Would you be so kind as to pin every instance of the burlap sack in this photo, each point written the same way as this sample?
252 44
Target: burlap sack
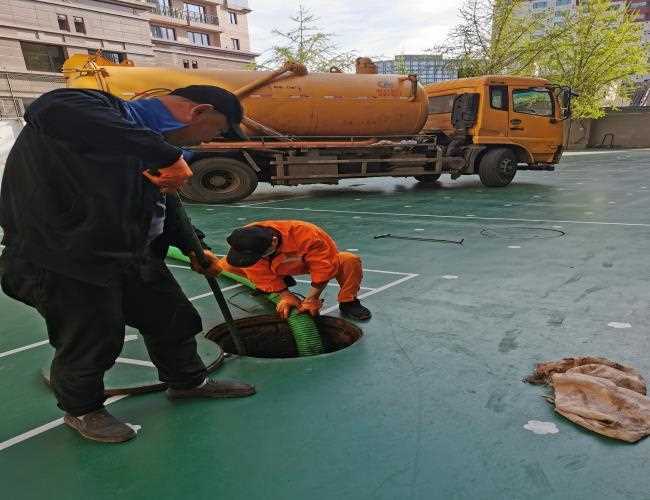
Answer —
598 394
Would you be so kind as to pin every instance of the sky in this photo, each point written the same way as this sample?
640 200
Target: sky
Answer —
374 28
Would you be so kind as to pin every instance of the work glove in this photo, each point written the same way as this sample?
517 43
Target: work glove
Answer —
287 302
170 178
311 306
213 270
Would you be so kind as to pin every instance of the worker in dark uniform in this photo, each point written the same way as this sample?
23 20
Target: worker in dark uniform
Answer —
86 227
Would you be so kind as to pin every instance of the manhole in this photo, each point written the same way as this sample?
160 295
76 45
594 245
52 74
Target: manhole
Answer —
268 336
522 233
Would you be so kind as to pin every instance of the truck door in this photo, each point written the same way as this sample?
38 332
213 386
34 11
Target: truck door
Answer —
533 123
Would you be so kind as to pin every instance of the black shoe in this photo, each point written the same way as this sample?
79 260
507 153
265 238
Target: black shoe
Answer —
354 310
214 389
100 426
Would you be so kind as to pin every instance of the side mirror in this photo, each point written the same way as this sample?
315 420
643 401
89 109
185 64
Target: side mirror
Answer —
565 102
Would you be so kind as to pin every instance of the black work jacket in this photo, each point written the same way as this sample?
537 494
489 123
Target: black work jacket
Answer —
73 198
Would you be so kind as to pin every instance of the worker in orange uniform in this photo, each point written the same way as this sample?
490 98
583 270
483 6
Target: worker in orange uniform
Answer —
269 253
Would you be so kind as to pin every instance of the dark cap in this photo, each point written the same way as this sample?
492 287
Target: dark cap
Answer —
222 100
248 245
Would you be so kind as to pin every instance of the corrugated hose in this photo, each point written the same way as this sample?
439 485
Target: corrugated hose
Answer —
302 326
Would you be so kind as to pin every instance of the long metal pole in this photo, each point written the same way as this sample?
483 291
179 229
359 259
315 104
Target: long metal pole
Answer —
195 246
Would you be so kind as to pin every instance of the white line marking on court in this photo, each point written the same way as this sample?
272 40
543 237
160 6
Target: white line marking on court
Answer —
377 290
418 229
137 362
449 277
615 324
46 427
197 297
351 249
272 201
505 219
614 151
336 285
24 348
388 272
127 338
514 247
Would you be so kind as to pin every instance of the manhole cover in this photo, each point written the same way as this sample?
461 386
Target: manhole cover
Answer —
268 336
521 233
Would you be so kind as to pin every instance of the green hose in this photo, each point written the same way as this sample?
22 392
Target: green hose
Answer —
302 326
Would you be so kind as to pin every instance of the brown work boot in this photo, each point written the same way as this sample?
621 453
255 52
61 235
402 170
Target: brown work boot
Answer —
214 389
100 426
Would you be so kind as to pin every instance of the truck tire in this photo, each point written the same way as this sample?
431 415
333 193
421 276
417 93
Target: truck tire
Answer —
219 180
428 179
498 167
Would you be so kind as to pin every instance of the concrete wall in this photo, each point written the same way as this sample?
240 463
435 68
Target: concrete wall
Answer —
625 128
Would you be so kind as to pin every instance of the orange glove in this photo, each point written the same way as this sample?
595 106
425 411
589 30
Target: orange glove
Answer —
172 177
287 302
311 306
214 269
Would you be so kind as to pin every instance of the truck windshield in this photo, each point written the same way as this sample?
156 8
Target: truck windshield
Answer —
533 102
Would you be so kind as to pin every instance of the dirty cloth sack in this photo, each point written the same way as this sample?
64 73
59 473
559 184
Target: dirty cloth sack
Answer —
598 394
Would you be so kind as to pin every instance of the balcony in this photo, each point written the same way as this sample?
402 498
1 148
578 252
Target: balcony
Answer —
184 16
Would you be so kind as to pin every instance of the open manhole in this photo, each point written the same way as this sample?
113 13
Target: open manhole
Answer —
522 233
268 336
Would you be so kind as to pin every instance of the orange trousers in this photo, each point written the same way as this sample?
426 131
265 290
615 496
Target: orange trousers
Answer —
349 275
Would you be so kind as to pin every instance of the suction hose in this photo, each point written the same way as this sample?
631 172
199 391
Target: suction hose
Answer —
302 326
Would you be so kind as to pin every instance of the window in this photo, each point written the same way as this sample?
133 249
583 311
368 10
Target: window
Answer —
186 64
195 65
532 102
41 57
233 17
499 97
162 7
441 104
63 22
79 25
114 57
235 43
194 12
198 38
163 32
560 3
540 5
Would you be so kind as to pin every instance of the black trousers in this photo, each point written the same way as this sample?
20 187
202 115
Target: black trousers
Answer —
86 326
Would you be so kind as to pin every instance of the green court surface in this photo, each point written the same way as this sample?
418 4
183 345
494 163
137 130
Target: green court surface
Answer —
429 404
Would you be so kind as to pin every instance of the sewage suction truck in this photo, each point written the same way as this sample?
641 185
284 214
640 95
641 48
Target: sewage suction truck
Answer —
308 128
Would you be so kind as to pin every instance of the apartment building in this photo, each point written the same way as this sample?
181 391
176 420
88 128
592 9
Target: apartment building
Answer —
36 36
430 68
557 7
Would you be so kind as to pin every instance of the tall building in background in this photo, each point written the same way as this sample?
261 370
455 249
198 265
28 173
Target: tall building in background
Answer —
557 7
36 36
430 68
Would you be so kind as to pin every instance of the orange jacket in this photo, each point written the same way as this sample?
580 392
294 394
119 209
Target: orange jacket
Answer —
305 249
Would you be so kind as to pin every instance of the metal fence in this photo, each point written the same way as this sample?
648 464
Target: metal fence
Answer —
18 89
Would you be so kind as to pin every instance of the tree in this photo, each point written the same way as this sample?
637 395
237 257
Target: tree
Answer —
307 45
597 55
494 38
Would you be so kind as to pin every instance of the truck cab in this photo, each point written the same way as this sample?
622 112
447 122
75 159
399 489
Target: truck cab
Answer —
500 124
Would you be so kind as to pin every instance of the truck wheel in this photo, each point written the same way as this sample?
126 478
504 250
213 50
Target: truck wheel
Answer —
219 180
498 167
428 179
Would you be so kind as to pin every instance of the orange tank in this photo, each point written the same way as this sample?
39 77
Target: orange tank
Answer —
316 104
